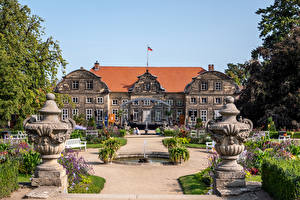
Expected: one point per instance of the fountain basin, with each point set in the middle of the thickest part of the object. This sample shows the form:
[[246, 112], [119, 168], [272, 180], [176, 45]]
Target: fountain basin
[[139, 159]]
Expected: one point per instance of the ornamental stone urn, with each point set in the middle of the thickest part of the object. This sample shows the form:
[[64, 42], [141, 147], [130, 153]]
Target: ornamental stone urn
[[229, 135], [48, 137]]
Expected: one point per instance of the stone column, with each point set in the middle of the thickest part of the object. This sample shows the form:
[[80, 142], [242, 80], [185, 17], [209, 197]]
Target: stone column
[[229, 135], [48, 137]]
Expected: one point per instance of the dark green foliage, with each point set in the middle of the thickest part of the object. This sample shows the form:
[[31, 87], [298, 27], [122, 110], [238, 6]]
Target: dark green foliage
[[29, 161], [174, 142], [8, 177], [92, 123], [77, 134], [28, 62], [281, 178], [178, 154], [80, 119], [198, 183], [122, 132], [109, 149], [168, 132]]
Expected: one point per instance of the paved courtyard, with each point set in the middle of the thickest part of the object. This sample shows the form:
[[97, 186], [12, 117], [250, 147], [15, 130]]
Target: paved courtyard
[[144, 179]]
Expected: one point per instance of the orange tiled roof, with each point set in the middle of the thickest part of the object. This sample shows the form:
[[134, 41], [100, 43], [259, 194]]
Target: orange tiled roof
[[172, 79]]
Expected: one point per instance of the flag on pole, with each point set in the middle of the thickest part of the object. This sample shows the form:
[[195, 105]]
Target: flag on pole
[[149, 49]]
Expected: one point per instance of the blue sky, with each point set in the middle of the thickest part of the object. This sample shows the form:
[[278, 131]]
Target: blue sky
[[180, 32]]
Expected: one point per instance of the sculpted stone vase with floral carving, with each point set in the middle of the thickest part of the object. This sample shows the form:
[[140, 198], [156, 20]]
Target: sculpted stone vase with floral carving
[[48, 137], [229, 135]]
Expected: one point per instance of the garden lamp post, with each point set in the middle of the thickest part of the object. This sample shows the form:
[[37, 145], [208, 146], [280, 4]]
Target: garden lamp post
[[48, 137], [229, 135]]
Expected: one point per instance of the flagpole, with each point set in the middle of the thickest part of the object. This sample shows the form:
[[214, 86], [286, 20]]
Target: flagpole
[[147, 55]]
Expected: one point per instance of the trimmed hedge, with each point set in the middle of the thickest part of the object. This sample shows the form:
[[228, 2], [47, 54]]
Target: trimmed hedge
[[281, 178], [168, 132], [8, 177]]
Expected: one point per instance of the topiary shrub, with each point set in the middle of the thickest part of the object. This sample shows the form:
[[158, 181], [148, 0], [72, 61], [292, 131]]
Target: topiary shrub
[[178, 154], [168, 132], [281, 178]]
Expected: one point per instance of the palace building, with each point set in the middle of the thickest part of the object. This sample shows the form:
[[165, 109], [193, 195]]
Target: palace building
[[152, 95]]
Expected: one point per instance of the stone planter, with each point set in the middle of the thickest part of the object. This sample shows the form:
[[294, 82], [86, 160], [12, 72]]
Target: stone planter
[[229, 135], [48, 137]]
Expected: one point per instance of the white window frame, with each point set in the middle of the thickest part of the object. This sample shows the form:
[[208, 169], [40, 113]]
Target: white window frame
[[220, 102], [170, 102], [115, 111], [75, 99], [204, 85], [74, 112], [158, 115], [202, 100], [100, 100], [114, 102], [88, 100], [89, 85], [217, 114], [147, 102], [135, 115], [193, 102], [218, 85], [124, 101], [75, 85], [99, 116], [193, 116], [88, 113], [203, 115], [65, 113]]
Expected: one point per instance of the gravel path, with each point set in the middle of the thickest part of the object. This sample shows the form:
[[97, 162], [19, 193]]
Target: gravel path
[[144, 179]]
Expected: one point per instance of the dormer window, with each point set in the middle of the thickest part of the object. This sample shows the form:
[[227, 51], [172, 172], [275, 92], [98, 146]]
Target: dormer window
[[75, 85], [89, 85], [204, 85], [147, 86]]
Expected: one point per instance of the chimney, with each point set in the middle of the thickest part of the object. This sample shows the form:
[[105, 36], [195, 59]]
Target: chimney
[[211, 67], [96, 66]]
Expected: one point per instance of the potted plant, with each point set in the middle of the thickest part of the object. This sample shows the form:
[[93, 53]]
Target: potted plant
[[178, 154]]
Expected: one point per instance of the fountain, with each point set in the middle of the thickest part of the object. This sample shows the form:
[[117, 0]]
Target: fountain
[[229, 135], [48, 137], [144, 159]]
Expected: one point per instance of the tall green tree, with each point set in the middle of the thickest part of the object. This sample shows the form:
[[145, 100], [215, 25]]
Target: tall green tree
[[28, 63], [277, 20], [237, 72]]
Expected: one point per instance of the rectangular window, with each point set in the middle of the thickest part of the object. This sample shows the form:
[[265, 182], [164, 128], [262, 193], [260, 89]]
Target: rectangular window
[[147, 86], [65, 114], [193, 115], [99, 115], [88, 114], [147, 102], [135, 115], [115, 111], [204, 100], [179, 102], [135, 103], [170, 102], [88, 100], [178, 113], [125, 114], [89, 85], [100, 100], [75, 99], [193, 100], [218, 100], [75, 85], [204, 85], [218, 86], [158, 115], [74, 112], [203, 115], [124, 101], [114, 102]]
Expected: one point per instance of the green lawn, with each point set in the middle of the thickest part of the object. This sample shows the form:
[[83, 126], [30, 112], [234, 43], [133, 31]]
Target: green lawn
[[99, 145], [95, 186], [24, 178], [190, 145], [255, 178], [192, 184]]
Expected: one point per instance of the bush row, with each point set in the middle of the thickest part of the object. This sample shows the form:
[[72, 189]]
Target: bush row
[[281, 178], [8, 177]]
